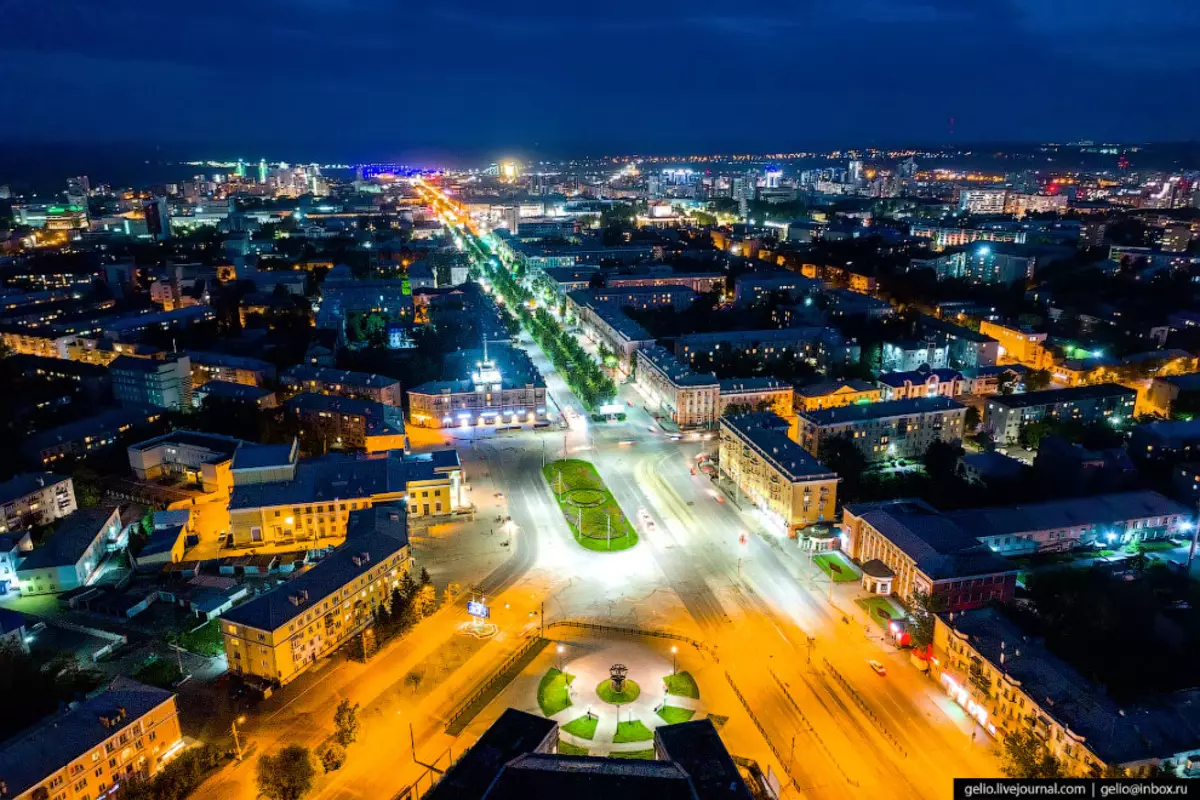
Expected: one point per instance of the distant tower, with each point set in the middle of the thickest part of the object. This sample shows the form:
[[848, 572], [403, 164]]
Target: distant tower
[[78, 189], [855, 172], [241, 169], [262, 170]]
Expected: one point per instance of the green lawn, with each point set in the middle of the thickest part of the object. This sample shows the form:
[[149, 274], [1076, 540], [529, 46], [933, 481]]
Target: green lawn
[[635, 731], [836, 567], [582, 495], [568, 749], [584, 727], [882, 610], [552, 691], [1158, 544], [642, 755], [628, 694], [673, 714], [205, 640], [682, 684]]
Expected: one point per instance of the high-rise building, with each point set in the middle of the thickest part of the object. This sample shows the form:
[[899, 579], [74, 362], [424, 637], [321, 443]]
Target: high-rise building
[[158, 218], [771, 177], [982, 201], [240, 169], [262, 170], [77, 190], [854, 173], [150, 382]]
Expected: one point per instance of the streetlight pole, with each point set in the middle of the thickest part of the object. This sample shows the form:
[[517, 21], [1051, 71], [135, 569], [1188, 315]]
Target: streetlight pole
[[237, 743], [560, 659], [674, 663]]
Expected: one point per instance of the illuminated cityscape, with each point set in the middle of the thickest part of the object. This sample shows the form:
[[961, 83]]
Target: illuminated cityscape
[[477, 449]]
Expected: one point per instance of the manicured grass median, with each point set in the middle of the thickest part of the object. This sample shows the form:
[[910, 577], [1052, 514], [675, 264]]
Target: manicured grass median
[[568, 749], [635, 731], [882, 610], [582, 496], [836, 567], [552, 692], [673, 714], [628, 693], [641, 755], [682, 684], [583, 727]]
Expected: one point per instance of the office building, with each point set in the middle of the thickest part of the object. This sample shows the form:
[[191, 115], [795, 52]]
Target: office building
[[907, 355], [1019, 204], [942, 236], [89, 749], [35, 498], [278, 635], [1005, 415], [790, 487], [965, 348], [1018, 345], [1106, 520], [279, 501], [881, 431], [1010, 682], [71, 555], [982, 263], [922, 382], [906, 546], [835, 394], [693, 399], [165, 383], [340, 383]]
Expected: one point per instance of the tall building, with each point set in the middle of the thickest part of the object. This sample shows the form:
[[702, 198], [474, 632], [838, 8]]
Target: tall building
[[78, 189], [158, 218], [896, 429], [35, 498], [240, 169], [854, 172], [262, 170], [151, 382], [982, 201]]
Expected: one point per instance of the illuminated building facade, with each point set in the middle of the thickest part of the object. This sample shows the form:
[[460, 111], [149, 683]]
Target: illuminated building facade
[[881, 431]]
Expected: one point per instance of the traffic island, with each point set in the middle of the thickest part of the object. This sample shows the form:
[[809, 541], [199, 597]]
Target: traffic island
[[682, 684], [593, 515]]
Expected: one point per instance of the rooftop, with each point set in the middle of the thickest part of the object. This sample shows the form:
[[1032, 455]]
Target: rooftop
[[1075, 394], [1097, 509], [830, 387], [260, 456], [104, 425], [677, 372], [305, 372], [515, 733], [223, 447], [226, 360], [53, 743], [899, 379], [1118, 735], [21, 485], [227, 390], [869, 411], [378, 533], [73, 536], [697, 748], [767, 433], [938, 546], [336, 477]]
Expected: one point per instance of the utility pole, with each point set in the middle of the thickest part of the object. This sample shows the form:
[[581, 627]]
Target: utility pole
[[237, 743]]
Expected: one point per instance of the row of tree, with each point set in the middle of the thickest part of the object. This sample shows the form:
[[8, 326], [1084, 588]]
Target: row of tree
[[586, 378]]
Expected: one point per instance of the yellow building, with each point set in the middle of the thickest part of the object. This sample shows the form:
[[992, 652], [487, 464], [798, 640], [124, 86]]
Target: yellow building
[[278, 635], [83, 753], [1019, 345], [835, 394], [278, 501], [1011, 683], [788, 485]]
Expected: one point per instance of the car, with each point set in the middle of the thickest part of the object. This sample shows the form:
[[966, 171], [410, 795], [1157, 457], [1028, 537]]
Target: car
[[880, 669]]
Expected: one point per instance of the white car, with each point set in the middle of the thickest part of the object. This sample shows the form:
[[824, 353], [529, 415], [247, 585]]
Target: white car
[[880, 669]]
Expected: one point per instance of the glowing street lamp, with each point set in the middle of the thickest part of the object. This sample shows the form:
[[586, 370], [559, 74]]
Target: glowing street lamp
[[560, 659], [674, 663]]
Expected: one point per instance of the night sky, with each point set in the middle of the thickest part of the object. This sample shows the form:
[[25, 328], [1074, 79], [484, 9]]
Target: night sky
[[378, 78]]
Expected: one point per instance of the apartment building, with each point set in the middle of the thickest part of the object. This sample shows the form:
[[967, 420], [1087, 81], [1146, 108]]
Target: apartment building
[[279, 501], [1011, 683], [693, 399], [88, 435], [231, 369], [922, 382], [340, 383], [835, 394], [896, 429], [1006, 414], [86, 751], [642, 298], [346, 423], [607, 324], [165, 383], [907, 546], [821, 347], [35, 498], [71, 555], [1019, 345], [276, 636], [790, 487]]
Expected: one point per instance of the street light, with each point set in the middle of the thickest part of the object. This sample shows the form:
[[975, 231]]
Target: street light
[[674, 665], [237, 742], [560, 660]]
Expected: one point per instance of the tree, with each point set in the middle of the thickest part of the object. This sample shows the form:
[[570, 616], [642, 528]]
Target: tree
[[333, 757], [425, 602], [1032, 433], [345, 721], [288, 775], [425, 580], [1023, 755], [841, 455], [972, 419], [1037, 379], [941, 460], [924, 608]]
